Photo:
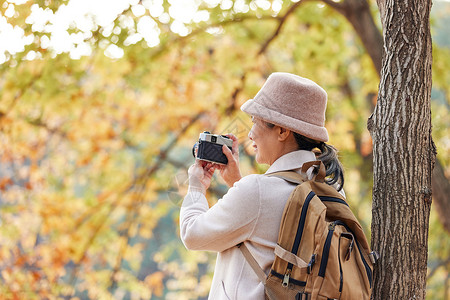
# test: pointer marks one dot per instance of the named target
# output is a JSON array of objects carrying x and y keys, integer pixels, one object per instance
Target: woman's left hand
[{"x": 200, "y": 175}]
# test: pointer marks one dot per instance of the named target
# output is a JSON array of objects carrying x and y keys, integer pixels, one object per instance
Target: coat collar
[{"x": 291, "y": 161}]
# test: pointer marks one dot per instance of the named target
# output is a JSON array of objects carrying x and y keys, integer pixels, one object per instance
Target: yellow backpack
[{"x": 322, "y": 252}]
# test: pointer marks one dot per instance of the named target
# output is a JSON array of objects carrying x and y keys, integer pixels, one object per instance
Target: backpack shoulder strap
[
  {"x": 289, "y": 176},
  {"x": 252, "y": 262},
  {"x": 298, "y": 178}
]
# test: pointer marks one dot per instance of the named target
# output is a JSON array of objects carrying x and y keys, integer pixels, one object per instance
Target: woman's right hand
[
  {"x": 200, "y": 175},
  {"x": 231, "y": 172}
]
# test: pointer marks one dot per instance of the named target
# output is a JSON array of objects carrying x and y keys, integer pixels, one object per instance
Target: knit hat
[{"x": 292, "y": 102}]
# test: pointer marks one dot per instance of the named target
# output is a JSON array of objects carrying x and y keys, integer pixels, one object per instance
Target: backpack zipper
[
  {"x": 332, "y": 199},
  {"x": 326, "y": 249},
  {"x": 298, "y": 235},
  {"x": 341, "y": 279},
  {"x": 286, "y": 278},
  {"x": 368, "y": 270}
]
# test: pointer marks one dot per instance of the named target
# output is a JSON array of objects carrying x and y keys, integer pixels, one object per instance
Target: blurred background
[{"x": 101, "y": 102}]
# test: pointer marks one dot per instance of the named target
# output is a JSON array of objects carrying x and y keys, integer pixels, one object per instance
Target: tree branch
[
  {"x": 18, "y": 95},
  {"x": 234, "y": 96},
  {"x": 130, "y": 220},
  {"x": 164, "y": 152},
  {"x": 281, "y": 22},
  {"x": 141, "y": 178},
  {"x": 163, "y": 47},
  {"x": 336, "y": 5},
  {"x": 441, "y": 192},
  {"x": 358, "y": 14},
  {"x": 443, "y": 263},
  {"x": 141, "y": 183}
]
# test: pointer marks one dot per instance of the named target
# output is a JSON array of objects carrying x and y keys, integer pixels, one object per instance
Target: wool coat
[{"x": 249, "y": 212}]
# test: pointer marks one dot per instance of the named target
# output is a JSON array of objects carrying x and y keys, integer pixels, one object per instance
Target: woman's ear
[{"x": 283, "y": 134}]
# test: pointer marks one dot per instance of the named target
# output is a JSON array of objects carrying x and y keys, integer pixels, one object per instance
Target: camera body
[{"x": 209, "y": 147}]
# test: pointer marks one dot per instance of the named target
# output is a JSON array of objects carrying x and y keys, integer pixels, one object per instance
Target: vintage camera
[{"x": 209, "y": 147}]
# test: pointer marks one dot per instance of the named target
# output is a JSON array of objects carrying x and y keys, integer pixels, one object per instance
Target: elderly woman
[{"x": 288, "y": 115}]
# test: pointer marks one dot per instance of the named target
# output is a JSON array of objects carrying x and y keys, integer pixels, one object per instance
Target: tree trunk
[
  {"x": 357, "y": 12},
  {"x": 404, "y": 152}
]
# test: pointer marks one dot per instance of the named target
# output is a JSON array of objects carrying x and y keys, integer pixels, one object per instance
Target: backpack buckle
[
  {"x": 311, "y": 264},
  {"x": 374, "y": 257}
]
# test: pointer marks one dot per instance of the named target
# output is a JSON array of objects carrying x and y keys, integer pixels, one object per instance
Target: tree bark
[{"x": 404, "y": 152}]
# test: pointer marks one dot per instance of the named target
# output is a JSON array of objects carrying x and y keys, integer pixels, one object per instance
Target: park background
[{"x": 101, "y": 102}]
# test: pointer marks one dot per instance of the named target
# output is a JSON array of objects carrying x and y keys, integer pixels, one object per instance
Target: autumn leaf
[{"x": 155, "y": 281}]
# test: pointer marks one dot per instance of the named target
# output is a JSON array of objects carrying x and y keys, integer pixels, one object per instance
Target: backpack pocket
[
  {"x": 340, "y": 273},
  {"x": 299, "y": 237},
  {"x": 355, "y": 283},
  {"x": 326, "y": 276}
]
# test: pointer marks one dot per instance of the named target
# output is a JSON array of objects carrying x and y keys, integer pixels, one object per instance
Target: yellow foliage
[
  {"x": 94, "y": 151},
  {"x": 155, "y": 282}
]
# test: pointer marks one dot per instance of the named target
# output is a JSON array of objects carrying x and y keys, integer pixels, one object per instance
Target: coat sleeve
[{"x": 230, "y": 221}]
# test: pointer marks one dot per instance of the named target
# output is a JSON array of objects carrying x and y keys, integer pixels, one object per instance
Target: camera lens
[{"x": 213, "y": 139}]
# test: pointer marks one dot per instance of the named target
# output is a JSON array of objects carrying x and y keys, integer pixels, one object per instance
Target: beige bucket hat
[{"x": 292, "y": 102}]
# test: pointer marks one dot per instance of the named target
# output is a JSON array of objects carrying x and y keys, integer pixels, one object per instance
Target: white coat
[{"x": 250, "y": 212}]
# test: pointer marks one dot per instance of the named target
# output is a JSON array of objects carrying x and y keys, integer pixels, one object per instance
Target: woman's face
[{"x": 264, "y": 141}]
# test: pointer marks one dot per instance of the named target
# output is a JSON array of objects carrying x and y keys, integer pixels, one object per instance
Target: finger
[
  {"x": 216, "y": 166},
  {"x": 235, "y": 145},
  {"x": 195, "y": 169},
  {"x": 209, "y": 167},
  {"x": 231, "y": 136},
  {"x": 235, "y": 141},
  {"x": 235, "y": 148},
  {"x": 203, "y": 163},
  {"x": 227, "y": 152}
]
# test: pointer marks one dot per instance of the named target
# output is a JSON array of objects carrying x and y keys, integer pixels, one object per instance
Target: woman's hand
[
  {"x": 230, "y": 172},
  {"x": 200, "y": 174}
]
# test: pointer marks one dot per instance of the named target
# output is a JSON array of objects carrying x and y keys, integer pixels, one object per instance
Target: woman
[{"x": 288, "y": 115}]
